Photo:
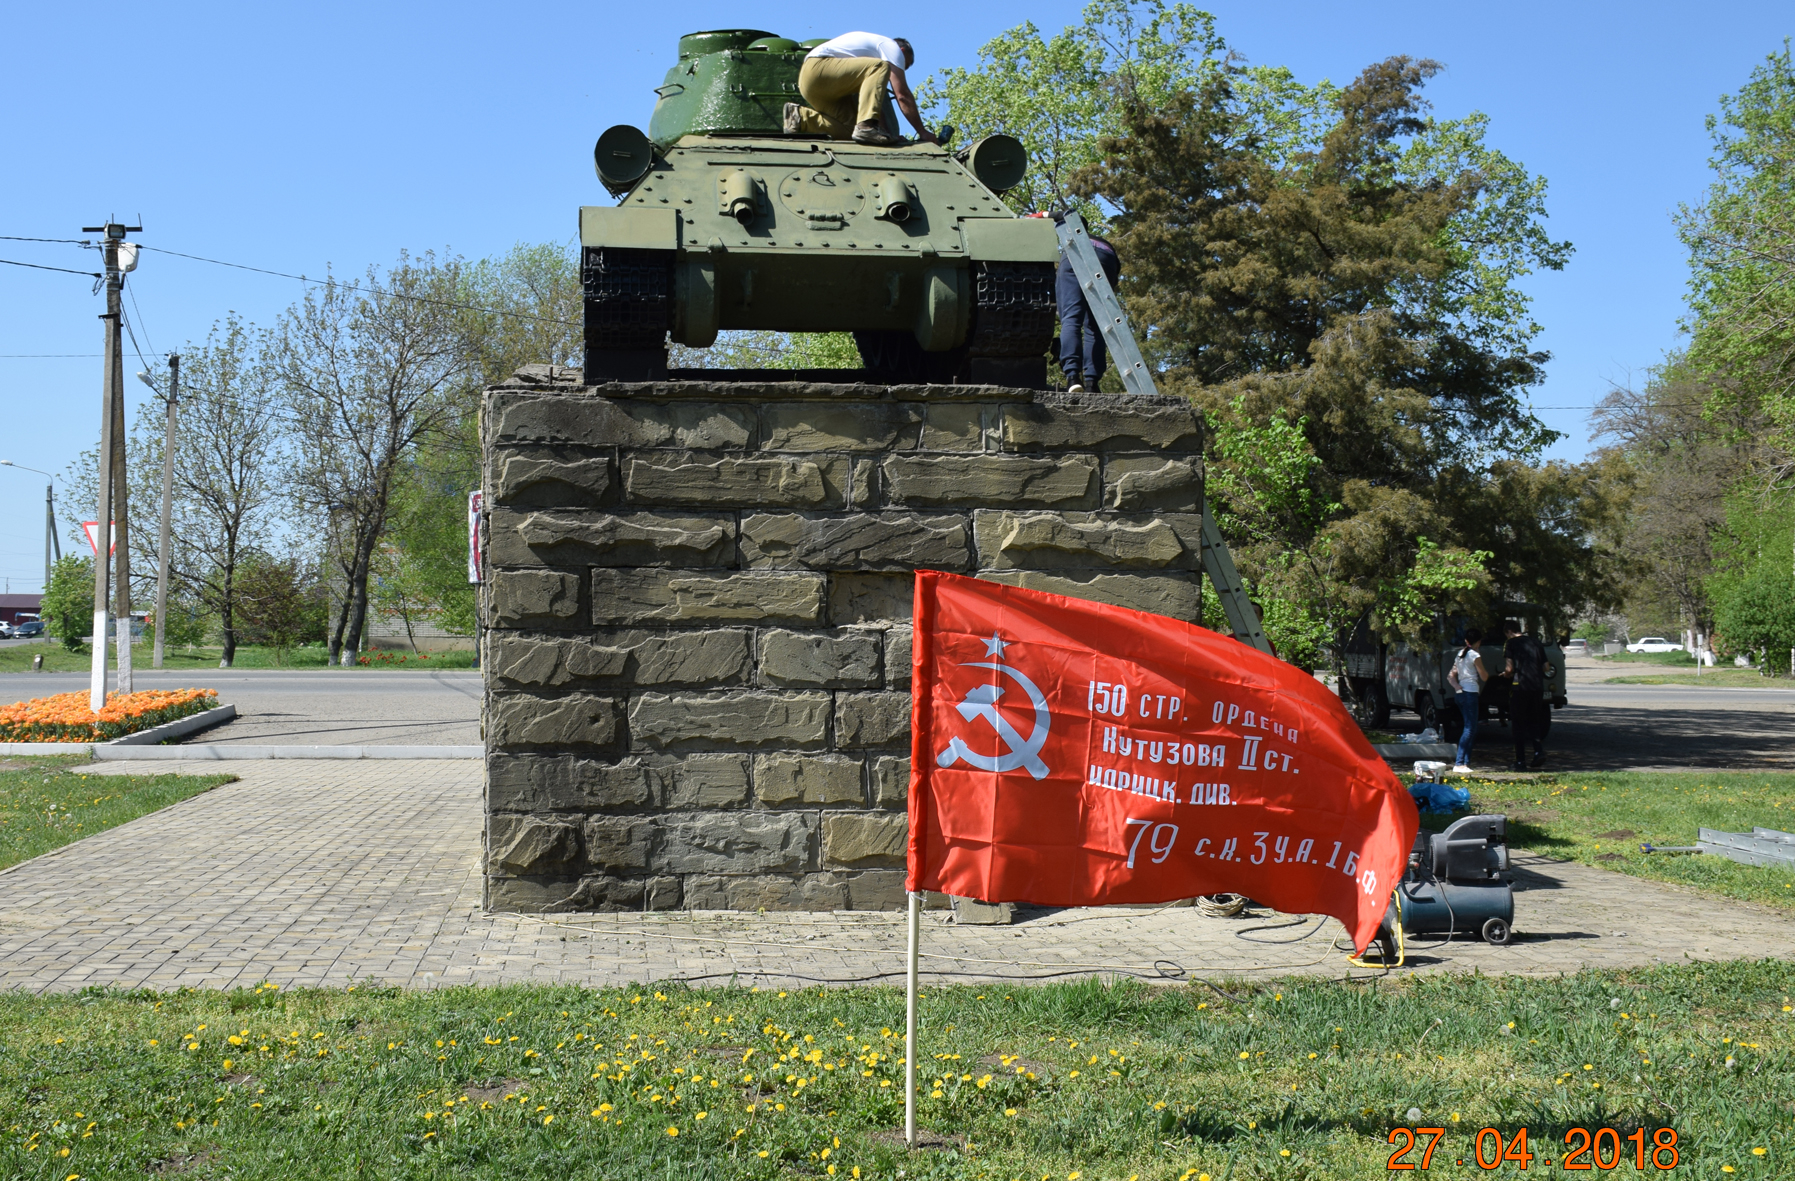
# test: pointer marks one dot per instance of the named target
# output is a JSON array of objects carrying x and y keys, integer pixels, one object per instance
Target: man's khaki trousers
[{"x": 843, "y": 91}]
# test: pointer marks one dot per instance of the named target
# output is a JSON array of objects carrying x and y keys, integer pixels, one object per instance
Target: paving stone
[
  {"x": 1068, "y": 541},
  {"x": 809, "y": 891},
  {"x": 1103, "y": 422},
  {"x": 872, "y": 719},
  {"x": 529, "y": 845},
  {"x": 897, "y": 658},
  {"x": 527, "y": 719},
  {"x": 857, "y": 541},
  {"x": 839, "y": 426},
  {"x": 698, "y": 425},
  {"x": 1169, "y": 595},
  {"x": 716, "y": 657},
  {"x": 870, "y": 598},
  {"x": 794, "y": 719},
  {"x": 846, "y": 659},
  {"x": 541, "y": 597},
  {"x": 738, "y": 843},
  {"x": 1020, "y": 481},
  {"x": 620, "y": 844},
  {"x": 786, "y": 779},
  {"x": 666, "y": 596},
  {"x": 693, "y": 478},
  {"x": 552, "y": 477},
  {"x": 534, "y": 782},
  {"x": 891, "y": 781},
  {"x": 570, "y": 538},
  {"x": 1134, "y": 483},
  {"x": 865, "y": 840}
]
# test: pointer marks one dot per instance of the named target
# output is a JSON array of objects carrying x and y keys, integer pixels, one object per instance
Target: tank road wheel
[
  {"x": 628, "y": 309},
  {"x": 1012, "y": 324},
  {"x": 1495, "y": 932}
]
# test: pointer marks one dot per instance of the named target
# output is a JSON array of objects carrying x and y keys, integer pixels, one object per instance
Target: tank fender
[
  {"x": 629, "y": 228},
  {"x": 1011, "y": 239}
]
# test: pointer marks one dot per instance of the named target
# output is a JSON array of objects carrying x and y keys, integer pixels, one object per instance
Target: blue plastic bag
[{"x": 1437, "y": 797}]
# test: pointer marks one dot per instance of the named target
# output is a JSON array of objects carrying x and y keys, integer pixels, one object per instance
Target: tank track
[{"x": 628, "y": 307}]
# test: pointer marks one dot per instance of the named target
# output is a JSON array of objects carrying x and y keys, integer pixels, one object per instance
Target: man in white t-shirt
[{"x": 844, "y": 82}]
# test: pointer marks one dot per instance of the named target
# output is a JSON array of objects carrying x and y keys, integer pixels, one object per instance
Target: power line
[
  {"x": 131, "y": 290},
  {"x": 38, "y": 266},
  {"x": 66, "y": 241}
]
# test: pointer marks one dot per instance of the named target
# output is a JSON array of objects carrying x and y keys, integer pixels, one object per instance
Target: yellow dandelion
[{"x": 671, "y": 1131}]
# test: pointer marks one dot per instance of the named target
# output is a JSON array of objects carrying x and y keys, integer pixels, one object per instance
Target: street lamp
[{"x": 50, "y": 538}]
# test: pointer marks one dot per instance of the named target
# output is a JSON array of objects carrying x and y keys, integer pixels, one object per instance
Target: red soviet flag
[{"x": 1068, "y": 753}]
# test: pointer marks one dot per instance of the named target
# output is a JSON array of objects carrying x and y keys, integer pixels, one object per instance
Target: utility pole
[
  {"x": 121, "y": 553},
  {"x": 168, "y": 493},
  {"x": 112, "y": 394},
  {"x": 50, "y": 539}
]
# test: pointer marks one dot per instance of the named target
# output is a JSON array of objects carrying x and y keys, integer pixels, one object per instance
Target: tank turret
[{"x": 725, "y": 222}]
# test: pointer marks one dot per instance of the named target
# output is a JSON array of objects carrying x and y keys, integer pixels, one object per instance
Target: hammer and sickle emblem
[{"x": 981, "y": 702}]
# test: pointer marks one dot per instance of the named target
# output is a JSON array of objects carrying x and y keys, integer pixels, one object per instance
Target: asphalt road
[{"x": 313, "y": 707}]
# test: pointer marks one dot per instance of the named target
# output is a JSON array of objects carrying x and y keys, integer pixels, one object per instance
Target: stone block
[
  {"x": 1170, "y": 595},
  {"x": 668, "y": 596},
  {"x": 876, "y": 889},
  {"x": 870, "y": 598},
  {"x": 623, "y": 658},
  {"x": 738, "y": 843},
  {"x": 526, "y": 719},
  {"x": 696, "y": 425},
  {"x": 839, "y": 426},
  {"x": 863, "y": 484},
  {"x": 785, "y": 779},
  {"x": 562, "y": 418},
  {"x": 795, "y": 720},
  {"x": 550, "y": 477},
  {"x": 856, "y": 541},
  {"x": 693, "y": 478},
  {"x": 865, "y": 840},
  {"x": 808, "y": 891},
  {"x": 891, "y": 782},
  {"x": 620, "y": 844},
  {"x": 539, "y": 597},
  {"x": 597, "y": 892},
  {"x": 1021, "y": 481},
  {"x": 961, "y": 426},
  {"x": 535, "y": 782},
  {"x": 846, "y": 659},
  {"x": 708, "y": 781},
  {"x": 1068, "y": 541},
  {"x": 897, "y": 658},
  {"x": 1136, "y": 483},
  {"x": 570, "y": 538},
  {"x": 970, "y": 912},
  {"x": 872, "y": 719},
  {"x": 1103, "y": 422},
  {"x": 525, "y": 845}
]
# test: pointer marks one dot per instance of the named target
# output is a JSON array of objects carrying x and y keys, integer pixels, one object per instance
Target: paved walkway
[{"x": 322, "y": 873}]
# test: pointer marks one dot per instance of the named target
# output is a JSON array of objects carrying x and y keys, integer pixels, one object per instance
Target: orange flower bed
[{"x": 66, "y": 718}]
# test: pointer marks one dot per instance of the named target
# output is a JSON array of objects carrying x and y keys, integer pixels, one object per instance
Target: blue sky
[{"x": 299, "y": 137}]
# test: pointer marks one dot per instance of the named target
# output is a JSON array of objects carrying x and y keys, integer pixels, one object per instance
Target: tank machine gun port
[{"x": 725, "y": 222}]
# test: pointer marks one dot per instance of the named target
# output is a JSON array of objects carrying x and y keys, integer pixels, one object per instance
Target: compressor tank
[{"x": 725, "y": 222}]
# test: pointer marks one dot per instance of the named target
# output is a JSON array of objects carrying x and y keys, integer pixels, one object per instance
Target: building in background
[{"x": 12, "y": 607}]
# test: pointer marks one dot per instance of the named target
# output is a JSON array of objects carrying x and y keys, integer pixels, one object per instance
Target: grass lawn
[
  {"x": 1674, "y": 659},
  {"x": 46, "y": 803},
  {"x": 1601, "y": 818},
  {"x": 59, "y": 659},
  {"x": 1295, "y": 1079},
  {"x": 1713, "y": 678}
]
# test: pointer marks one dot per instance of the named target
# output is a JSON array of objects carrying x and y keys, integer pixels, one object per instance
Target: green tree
[
  {"x": 280, "y": 603},
  {"x": 67, "y": 609}
]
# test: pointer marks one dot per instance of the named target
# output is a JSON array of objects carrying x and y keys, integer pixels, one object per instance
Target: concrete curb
[
  {"x": 178, "y": 728},
  {"x": 203, "y": 751},
  {"x": 1392, "y": 751}
]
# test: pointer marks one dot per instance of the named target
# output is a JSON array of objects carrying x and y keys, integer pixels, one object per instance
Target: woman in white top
[{"x": 1467, "y": 678}]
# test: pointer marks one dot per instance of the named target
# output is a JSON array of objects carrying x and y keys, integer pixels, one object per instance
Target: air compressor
[{"x": 1456, "y": 882}]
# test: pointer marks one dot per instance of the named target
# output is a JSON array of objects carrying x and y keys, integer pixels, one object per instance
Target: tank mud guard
[{"x": 628, "y": 306}]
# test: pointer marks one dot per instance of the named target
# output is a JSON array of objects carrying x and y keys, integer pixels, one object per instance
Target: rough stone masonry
[{"x": 697, "y": 640}]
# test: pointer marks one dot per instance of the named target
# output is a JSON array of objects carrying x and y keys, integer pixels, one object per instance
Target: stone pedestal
[{"x": 697, "y": 640}]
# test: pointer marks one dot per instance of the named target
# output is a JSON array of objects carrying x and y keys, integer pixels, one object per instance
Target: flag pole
[{"x": 910, "y": 1021}]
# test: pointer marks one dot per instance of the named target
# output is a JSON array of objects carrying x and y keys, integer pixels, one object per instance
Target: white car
[{"x": 1654, "y": 644}]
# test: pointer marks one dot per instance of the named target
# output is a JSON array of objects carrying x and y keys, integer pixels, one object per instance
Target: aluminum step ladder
[{"x": 1125, "y": 354}]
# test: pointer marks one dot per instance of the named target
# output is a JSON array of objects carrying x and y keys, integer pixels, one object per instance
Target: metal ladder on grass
[{"x": 1125, "y": 353}]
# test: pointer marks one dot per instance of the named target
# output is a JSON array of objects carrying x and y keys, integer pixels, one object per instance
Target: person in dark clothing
[
  {"x": 1527, "y": 670},
  {"x": 1082, "y": 355}
]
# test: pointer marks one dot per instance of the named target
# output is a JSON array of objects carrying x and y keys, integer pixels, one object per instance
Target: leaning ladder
[{"x": 1138, "y": 379}]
